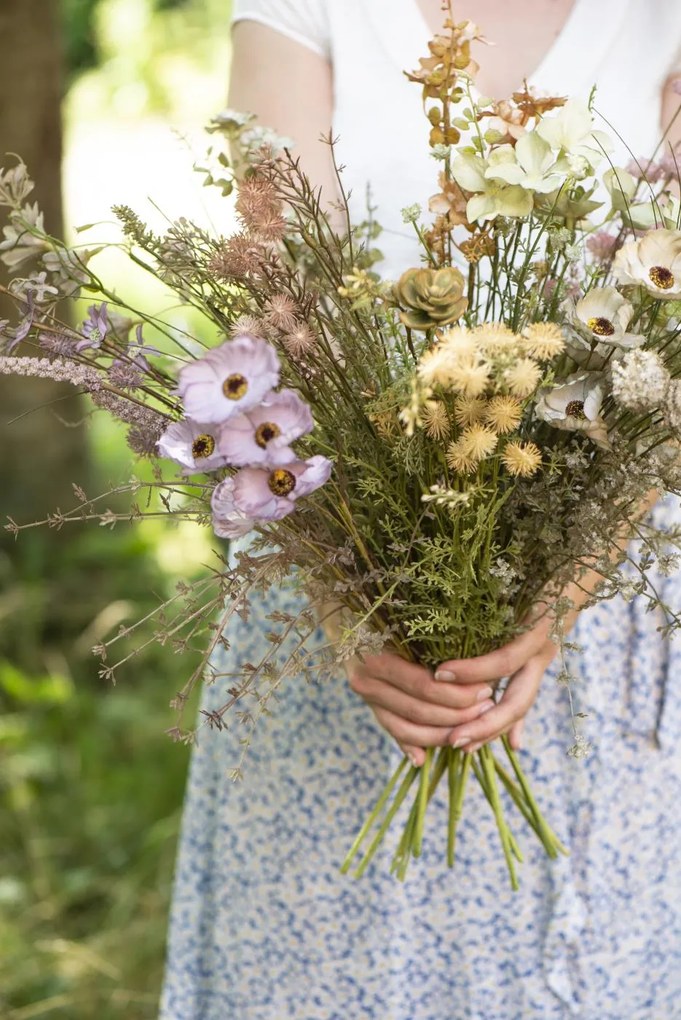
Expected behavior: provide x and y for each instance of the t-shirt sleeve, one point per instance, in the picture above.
(304, 21)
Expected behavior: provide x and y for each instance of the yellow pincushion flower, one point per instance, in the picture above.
(469, 377)
(503, 414)
(543, 340)
(523, 377)
(435, 366)
(436, 420)
(477, 442)
(495, 338)
(469, 410)
(458, 342)
(522, 459)
(458, 460)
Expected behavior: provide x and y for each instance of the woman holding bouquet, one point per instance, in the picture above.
(264, 926)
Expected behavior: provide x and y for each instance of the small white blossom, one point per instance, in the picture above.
(640, 380)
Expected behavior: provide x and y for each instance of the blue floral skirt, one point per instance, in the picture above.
(264, 927)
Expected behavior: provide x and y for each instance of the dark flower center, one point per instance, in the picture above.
(203, 446)
(575, 409)
(265, 433)
(281, 482)
(235, 386)
(601, 326)
(661, 277)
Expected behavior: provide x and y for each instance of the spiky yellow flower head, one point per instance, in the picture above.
(522, 459)
(543, 340)
(477, 442)
(435, 366)
(469, 377)
(495, 338)
(436, 420)
(469, 410)
(503, 414)
(458, 460)
(523, 377)
(458, 341)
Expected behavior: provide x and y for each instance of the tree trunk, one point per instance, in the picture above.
(39, 456)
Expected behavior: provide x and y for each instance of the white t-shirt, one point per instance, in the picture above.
(627, 47)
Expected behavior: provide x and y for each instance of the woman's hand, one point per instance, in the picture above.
(524, 660)
(415, 709)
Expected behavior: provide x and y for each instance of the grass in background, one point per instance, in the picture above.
(90, 787)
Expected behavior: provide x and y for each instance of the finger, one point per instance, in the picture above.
(416, 755)
(504, 661)
(423, 713)
(406, 732)
(515, 734)
(416, 681)
(514, 704)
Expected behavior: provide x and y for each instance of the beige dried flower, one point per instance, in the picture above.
(301, 340)
(469, 410)
(495, 338)
(503, 414)
(523, 377)
(478, 442)
(458, 460)
(470, 377)
(543, 340)
(280, 312)
(523, 459)
(436, 420)
(246, 324)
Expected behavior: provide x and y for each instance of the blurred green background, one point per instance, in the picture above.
(90, 787)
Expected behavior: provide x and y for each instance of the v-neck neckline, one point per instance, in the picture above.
(405, 33)
(570, 31)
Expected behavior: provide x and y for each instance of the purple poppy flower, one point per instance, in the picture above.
(262, 494)
(263, 434)
(229, 380)
(95, 327)
(192, 445)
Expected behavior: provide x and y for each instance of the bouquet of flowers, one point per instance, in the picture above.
(427, 460)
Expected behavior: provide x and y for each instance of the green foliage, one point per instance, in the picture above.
(90, 786)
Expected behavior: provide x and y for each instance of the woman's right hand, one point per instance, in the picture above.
(411, 705)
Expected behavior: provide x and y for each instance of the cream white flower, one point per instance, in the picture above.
(570, 130)
(605, 314)
(654, 262)
(640, 381)
(490, 198)
(575, 406)
(531, 164)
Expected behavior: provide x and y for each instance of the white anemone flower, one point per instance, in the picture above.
(654, 262)
(571, 131)
(530, 165)
(605, 314)
(575, 406)
(490, 198)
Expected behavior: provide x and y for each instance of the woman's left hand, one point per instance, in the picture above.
(524, 660)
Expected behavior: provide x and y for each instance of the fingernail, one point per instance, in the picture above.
(412, 759)
(474, 747)
(446, 675)
(484, 694)
(486, 708)
(460, 741)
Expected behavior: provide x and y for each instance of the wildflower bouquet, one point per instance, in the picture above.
(426, 460)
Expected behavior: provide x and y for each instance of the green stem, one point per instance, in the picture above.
(546, 834)
(385, 824)
(459, 769)
(381, 802)
(422, 803)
